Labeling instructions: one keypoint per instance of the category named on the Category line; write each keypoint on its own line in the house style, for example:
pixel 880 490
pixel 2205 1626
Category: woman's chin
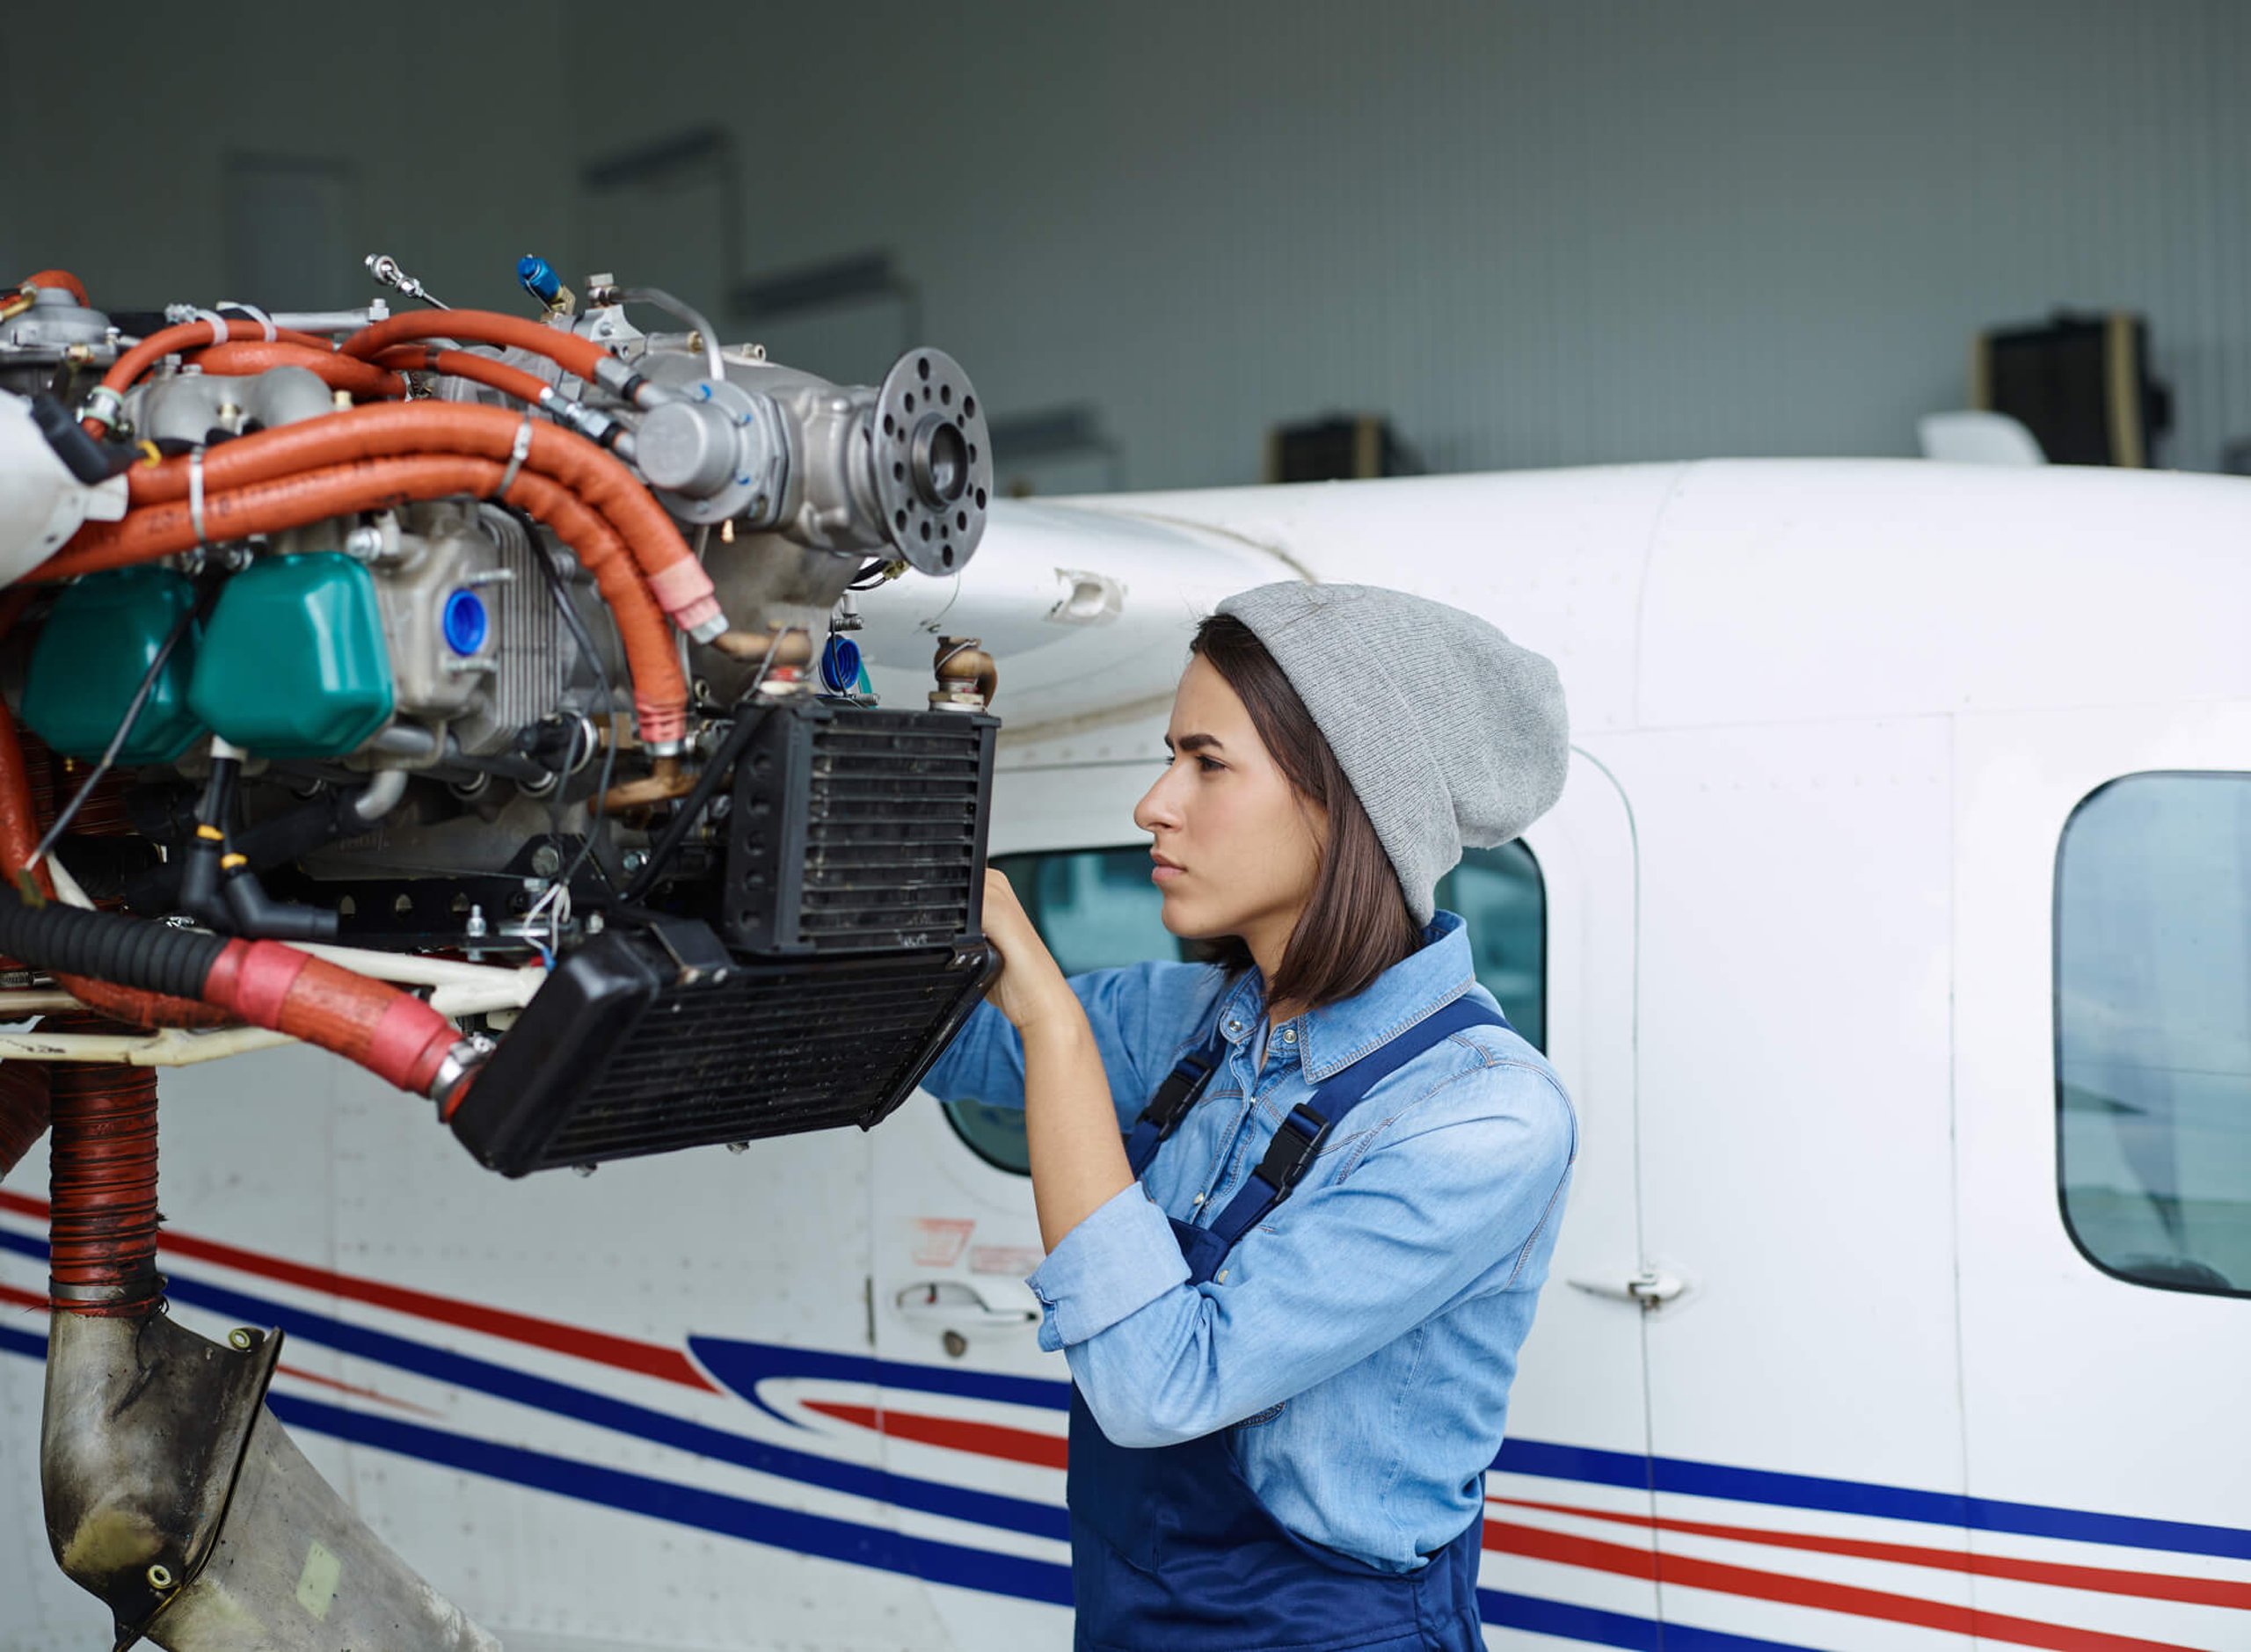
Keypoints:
pixel 1180 919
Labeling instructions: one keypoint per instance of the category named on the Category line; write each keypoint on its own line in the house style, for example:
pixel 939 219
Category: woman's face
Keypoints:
pixel 1245 843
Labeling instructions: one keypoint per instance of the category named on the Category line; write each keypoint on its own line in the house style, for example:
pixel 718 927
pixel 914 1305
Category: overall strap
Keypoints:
pixel 1170 1104
pixel 1302 1133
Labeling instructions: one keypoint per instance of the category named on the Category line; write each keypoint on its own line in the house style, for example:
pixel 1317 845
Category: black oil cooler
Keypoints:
pixel 841 953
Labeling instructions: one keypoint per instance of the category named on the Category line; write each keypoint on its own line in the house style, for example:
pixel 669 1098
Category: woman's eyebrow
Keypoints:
pixel 1194 742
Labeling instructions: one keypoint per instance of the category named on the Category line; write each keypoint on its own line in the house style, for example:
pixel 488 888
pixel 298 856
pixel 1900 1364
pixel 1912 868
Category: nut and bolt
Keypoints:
pixel 242 1339
pixel 364 544
pixel 582 1169
pixel 737 1146
pixel 633 861
pixel 160 1576
pixel 476 928
pixel 547 859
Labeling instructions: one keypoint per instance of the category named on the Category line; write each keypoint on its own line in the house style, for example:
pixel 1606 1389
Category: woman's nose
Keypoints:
pixel 1156 808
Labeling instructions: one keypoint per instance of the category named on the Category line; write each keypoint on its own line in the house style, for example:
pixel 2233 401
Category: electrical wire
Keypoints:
pixel 116 741
pixel 576 625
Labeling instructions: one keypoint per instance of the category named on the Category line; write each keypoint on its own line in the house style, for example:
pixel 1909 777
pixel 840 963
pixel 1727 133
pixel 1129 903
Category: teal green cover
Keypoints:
pixel 90 655
pixel 293 662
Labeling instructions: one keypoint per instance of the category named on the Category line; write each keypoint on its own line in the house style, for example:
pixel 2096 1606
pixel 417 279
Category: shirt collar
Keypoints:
pixel 1333 1036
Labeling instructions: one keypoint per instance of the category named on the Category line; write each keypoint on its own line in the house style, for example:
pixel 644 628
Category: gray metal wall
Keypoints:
pixel 1533 234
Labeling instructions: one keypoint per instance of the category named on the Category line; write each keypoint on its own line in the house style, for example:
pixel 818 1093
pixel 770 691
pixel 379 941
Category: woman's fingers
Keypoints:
pixel 1030 980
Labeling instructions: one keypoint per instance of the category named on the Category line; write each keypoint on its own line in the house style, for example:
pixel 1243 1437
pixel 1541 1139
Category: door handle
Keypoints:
pixel 949 1305
pixel 1650 1287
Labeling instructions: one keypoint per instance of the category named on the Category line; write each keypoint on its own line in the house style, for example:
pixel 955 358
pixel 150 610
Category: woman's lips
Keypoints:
pixel 1162 874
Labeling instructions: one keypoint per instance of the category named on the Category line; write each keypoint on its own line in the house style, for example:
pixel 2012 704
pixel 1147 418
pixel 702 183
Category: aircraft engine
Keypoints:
pixel 516 641
pixel 472 695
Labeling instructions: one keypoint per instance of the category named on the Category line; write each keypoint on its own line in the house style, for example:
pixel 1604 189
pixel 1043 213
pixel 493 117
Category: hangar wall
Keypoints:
pixel 1533 234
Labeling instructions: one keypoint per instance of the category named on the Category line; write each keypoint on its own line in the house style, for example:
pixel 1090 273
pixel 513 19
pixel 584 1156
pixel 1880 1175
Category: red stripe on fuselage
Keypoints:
pixel 1682 1572
pixel 25 1298
pixel 650 1359
pixel 2196 1591
pixel 987 1439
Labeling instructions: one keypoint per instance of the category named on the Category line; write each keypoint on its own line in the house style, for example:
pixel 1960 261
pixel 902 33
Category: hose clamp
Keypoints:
pixel 104 406
pixel 516 456
pixel 451 1080
pixel 195 496
pixel 148 1287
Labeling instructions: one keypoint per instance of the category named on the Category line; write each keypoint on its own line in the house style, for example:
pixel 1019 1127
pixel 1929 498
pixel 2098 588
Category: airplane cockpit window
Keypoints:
pixel 1096 909
pixel 2152 988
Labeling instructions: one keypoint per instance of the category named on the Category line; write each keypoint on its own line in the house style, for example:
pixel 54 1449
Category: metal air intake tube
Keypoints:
pixel 172 1493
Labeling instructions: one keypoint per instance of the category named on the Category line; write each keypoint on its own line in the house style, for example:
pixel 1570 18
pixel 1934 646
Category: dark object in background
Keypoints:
pixel 2079 384
pixel 1339 448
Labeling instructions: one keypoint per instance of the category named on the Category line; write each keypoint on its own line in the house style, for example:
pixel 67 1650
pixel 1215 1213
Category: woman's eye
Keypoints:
pixel 1210 765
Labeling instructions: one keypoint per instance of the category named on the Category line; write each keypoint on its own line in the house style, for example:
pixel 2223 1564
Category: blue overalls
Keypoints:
pixel 1170 1548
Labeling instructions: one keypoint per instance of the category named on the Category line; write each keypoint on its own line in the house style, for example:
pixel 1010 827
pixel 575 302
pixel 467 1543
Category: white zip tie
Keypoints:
pixel 273 333
pixel 195 495
pixel 218 325
pixel 516 456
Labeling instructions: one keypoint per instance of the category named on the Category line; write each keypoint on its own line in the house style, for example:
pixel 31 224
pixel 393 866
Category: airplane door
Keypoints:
pixel 2104 1081
pixel 972 1414
pixel 1797 1184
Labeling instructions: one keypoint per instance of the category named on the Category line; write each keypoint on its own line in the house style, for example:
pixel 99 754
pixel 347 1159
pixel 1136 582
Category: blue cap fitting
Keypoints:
pixel 840 664
pixel 538 280
pixel 466 623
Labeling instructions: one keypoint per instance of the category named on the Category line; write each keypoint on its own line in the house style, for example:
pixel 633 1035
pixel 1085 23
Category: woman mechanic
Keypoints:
pixel 1292 1297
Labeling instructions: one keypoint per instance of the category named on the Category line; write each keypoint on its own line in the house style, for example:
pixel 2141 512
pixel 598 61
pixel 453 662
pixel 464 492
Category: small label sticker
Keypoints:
pixel 1016 1261
pixel 316 1584
pixel 939 1239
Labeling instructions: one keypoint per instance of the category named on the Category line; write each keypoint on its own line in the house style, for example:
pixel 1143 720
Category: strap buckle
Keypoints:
pixel 1169 1105
pixel 1292 1149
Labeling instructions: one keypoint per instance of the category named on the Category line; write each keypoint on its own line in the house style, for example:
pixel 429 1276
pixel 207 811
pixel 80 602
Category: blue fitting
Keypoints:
pixel 538 278
pixel 840 664
pixel 466 623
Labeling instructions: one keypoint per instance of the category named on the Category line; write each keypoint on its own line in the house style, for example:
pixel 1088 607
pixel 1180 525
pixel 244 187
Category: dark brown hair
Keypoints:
pixel 1356 924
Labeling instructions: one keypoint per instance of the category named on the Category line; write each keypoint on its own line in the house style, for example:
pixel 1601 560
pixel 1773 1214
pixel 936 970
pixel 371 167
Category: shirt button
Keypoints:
pixel 1289 1035
pixel 1235 1026
pixel 1198 1199
pixel 1223 1276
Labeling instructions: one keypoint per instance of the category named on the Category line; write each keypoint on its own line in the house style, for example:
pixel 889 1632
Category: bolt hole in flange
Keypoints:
pixel 935 486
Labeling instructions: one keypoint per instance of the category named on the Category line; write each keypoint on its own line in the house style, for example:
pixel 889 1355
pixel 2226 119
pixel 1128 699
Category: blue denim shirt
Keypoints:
pixel 1359 1343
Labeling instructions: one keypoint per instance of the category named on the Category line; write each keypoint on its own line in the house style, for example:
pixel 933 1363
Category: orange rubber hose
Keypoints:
pixel 161 529
pixel 462 364
pixel 102 1170
pixel 62 279
pixel 676 577
pixel 581 358
pixel 340 373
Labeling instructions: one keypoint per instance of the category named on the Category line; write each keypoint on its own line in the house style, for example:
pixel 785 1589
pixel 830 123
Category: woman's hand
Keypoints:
pixel 1078 1159
pixel 1031 987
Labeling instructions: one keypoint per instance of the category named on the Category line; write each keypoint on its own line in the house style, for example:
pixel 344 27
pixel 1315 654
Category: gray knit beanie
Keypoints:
pixel 1450 733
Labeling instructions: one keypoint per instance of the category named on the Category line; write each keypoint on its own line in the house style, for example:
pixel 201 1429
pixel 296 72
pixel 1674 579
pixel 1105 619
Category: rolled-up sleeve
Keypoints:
pixel 1140 1015
pixel 1452 1195
pixel 1116 1262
